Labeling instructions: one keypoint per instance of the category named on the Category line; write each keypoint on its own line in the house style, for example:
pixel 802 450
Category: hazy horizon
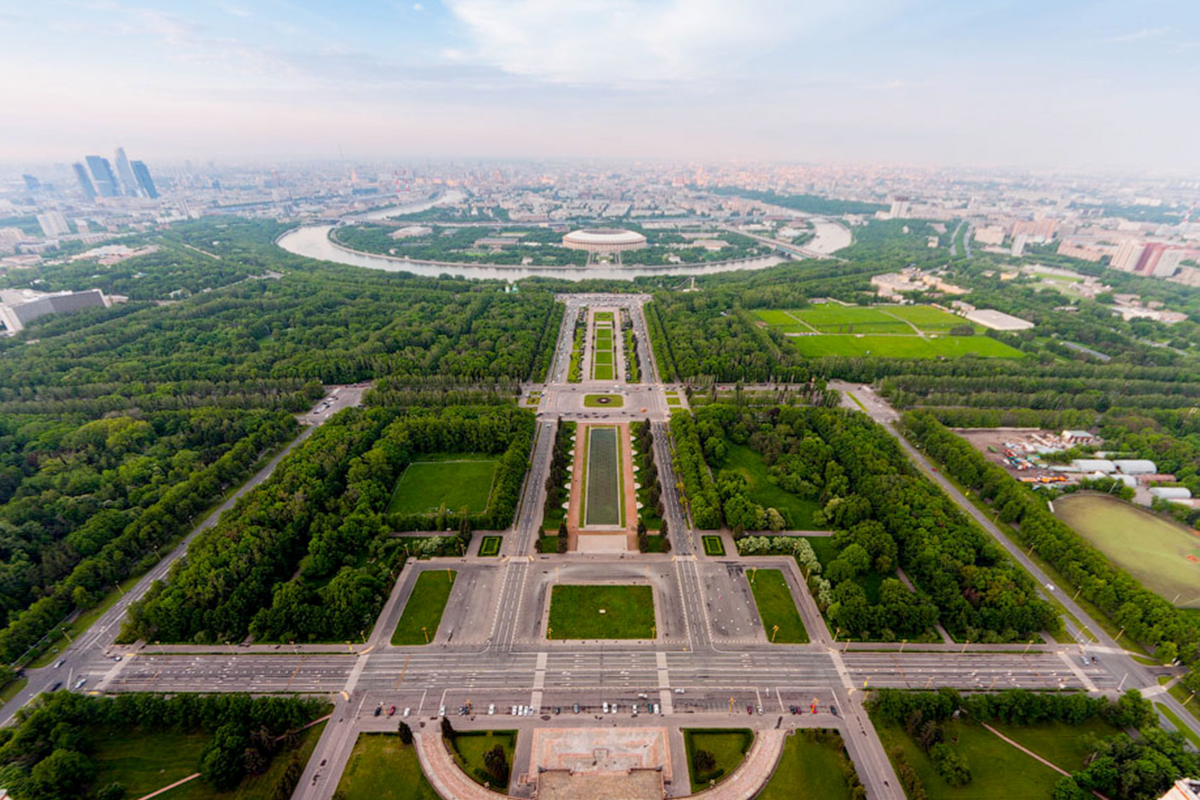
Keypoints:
pixel 1063 86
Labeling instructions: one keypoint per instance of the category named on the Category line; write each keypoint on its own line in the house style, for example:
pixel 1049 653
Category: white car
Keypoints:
pixel 491 709
pixel 442 711
pixel 514 711
pixel 605 708
pixel 79 683
pixel 407 709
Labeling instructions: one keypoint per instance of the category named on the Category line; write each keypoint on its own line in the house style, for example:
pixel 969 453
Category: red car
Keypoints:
pixel 750 710
pixel 391 711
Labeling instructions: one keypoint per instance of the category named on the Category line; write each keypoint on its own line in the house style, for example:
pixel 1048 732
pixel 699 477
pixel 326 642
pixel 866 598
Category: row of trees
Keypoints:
pixel 114 543
pixel 48 755
pixel 650 495
pixel 311 558
pixel 1120 766
pixel 1145 616
pixel 699 493
pixel 886 516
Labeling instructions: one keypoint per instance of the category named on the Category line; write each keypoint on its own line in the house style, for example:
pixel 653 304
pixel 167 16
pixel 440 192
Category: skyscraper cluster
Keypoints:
pixel 132 178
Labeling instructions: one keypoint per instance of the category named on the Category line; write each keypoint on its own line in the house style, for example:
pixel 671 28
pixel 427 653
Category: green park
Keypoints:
pixel 454 481
pixel 601 611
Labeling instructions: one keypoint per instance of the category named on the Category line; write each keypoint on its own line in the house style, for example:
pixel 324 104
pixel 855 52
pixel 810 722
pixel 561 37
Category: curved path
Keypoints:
pixel 449 781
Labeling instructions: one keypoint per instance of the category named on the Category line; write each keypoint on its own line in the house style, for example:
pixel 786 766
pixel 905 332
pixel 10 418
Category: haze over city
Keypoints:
pixel 1063 85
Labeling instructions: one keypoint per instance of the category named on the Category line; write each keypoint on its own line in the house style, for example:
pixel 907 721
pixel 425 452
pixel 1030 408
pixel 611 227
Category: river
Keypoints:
pixel 313 241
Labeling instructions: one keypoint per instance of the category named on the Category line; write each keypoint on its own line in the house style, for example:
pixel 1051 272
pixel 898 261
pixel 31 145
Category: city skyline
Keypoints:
pixel 1074 85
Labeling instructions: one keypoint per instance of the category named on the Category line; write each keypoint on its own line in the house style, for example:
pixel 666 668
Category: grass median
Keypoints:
pixel 423 611
pixel 581 611
pixel 777 607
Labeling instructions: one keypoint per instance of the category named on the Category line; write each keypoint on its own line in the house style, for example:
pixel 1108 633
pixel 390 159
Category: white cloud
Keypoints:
pixel 418 7
pixel 1133 36
pixel 627 42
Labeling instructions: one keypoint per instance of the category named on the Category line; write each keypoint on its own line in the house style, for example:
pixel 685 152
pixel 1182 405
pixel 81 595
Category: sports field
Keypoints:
pixel 454 481
pixel 602 501
pixel 1164 556
pixel 884 330
pixel 903 346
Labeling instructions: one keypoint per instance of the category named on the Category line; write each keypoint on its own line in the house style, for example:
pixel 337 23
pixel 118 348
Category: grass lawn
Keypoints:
pixel 927 318
pixel 832 318
pixel 674 401
pixel 604 316
pixel 604 357
pixel 453 482
pixel 728 746
pixel 470 747
pixel 490 546
pixel 549 543
pixel 603 401
pixel 1152 549
pixel 776 606
pixel 713 545
pixel 424 607
pixel 603 503
pixel 797 512
pixel 1058 742
pixel 575 612
pixel 11 689
pixel 772 317
pixel 381 768
pixel 903 346
pixel 146 762
pixel 997 768
pixel 807 770
pixel 602 372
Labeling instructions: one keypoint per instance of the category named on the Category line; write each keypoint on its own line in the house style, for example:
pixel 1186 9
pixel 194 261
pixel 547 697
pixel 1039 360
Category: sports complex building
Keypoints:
pixel 604 242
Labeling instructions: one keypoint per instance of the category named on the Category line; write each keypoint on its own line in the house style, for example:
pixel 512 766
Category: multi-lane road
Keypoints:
pixel 710 661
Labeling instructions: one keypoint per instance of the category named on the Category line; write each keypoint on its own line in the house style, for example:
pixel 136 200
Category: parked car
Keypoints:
pixel 378 710
pixel 750 710
pixel 391 711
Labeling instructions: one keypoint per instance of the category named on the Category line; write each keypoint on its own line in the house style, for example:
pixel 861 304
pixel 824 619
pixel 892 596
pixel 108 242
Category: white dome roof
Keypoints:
pixel 602 236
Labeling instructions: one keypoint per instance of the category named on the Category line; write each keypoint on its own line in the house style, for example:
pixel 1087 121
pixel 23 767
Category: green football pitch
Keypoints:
pixel 427 485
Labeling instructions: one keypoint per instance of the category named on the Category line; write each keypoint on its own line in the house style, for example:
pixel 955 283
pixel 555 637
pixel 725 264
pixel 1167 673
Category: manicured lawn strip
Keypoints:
pixel 603 401
pixel 424 607
pixel 807 770
pixel 1179 726
pixel 549 543
pixel 11 689
pixel 146 762
pixel 997 768
pixel 490 546
pixel 797 512
pixel 427 484
pixel 926 318
pixel 603 499
pixel 604 357
pixel 604 316
pixel 776 606
pixel 601 372
pixel 575 612
pixel 470 746
pixel 902 346
pixel 674 401
pixel 713 546
pixel 728 746
pixel 1148 547
pixel 381 768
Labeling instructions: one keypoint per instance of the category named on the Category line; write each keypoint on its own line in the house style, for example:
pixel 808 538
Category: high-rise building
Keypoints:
pixel 899 209
pixel 128 182
pixel 85 183
pixel 53 223
pixel 31 183
pixel 102 174
pixel 142 174
pixel 1128 255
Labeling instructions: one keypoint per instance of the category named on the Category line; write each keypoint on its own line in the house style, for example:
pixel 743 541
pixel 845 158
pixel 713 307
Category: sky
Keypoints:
pixel 1062 84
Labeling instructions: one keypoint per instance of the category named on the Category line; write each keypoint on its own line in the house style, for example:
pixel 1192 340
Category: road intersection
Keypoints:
pixel 710 661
